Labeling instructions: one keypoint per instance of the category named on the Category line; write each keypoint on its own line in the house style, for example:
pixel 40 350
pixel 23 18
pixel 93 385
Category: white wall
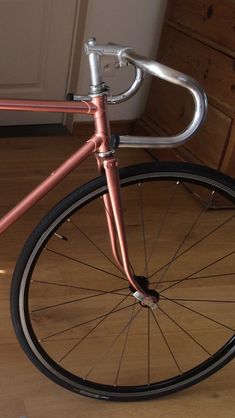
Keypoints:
pixel 133 23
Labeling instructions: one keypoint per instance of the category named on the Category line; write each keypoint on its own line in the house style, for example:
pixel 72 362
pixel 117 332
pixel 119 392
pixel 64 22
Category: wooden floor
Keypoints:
pixel 24 392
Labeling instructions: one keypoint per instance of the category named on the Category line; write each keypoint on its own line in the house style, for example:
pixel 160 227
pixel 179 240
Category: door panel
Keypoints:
pixel 35 44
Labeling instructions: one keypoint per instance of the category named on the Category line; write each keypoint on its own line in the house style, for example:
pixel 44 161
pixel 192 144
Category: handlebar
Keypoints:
pixel 122 97
pixel 143 65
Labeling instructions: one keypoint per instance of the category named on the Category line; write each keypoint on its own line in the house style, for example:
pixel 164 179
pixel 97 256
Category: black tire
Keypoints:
pixel 27 324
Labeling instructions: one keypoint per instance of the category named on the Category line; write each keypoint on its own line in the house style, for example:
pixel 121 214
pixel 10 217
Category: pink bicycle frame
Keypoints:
pixel 64 169
pixel 99 143
pixel 95 105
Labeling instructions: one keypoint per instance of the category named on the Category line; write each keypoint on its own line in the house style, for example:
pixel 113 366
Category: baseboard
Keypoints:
pixel 33 130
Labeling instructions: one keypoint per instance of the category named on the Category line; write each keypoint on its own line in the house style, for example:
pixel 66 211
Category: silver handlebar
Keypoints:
pixel 127 94
pixel 126 55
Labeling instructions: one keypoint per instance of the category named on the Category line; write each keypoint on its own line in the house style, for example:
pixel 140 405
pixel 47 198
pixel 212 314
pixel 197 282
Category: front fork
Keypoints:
pixel 116 227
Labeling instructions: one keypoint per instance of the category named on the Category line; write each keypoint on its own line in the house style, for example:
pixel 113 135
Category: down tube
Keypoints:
pixel 55 177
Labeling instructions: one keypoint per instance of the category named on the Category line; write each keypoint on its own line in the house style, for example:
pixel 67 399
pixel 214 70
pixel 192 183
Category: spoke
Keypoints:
pixel 193 245
pixel 213 275
pixel 198 217
pixel 145 273
pixel 61 236
pixel 166 342
pixel 198 271
pixel 199 313
pixel 104 356
pixel 94 244
pixel 162 223
pixel 148 347
pixel 209 276
pixel 184 331
pixel 85 264
pixel 84 323
pixel 204 300
pixel 78 287
pixel 79 299
pixel 124 345
pixel 64 285
pixel 91 330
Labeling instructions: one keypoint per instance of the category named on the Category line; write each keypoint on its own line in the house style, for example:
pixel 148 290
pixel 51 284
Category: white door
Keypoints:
pixel 35 46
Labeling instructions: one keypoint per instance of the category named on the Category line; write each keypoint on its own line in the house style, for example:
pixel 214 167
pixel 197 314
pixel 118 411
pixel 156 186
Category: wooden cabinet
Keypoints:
pixel 198 39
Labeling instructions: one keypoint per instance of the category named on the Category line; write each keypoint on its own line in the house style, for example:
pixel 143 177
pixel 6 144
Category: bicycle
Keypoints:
pixel 164 286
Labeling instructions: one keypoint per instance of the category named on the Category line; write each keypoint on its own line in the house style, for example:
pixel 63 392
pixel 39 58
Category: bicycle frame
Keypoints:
pixel 99 143
pixel 96 105
pixel 64 169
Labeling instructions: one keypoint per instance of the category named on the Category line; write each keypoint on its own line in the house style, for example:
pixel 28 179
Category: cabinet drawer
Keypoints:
pixel 213 69
pixel 213 19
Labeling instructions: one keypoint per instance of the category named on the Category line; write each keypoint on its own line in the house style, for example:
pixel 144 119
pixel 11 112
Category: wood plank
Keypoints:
pixel 174 111
pixel 214 70
pixel 214 19
pixel 202 39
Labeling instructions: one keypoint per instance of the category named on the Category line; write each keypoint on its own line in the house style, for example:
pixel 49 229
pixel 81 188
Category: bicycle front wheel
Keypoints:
pixel 73 310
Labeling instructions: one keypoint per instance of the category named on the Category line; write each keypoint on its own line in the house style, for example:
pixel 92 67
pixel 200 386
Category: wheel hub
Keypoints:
pixel 143 283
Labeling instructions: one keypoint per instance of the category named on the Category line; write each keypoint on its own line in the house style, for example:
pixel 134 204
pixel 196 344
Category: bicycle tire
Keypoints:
pixel 169 173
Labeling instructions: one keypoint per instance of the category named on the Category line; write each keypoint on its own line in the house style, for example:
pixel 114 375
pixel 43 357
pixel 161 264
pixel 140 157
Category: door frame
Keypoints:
pixel 76 54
